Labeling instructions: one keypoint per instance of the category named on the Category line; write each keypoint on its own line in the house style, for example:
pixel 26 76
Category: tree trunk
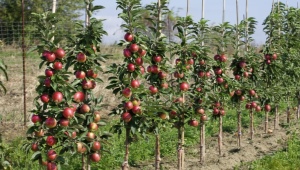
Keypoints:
pixel 83 162
pixel 88 163
pixel 157 152
pixel 266 121
pixel 288 114
pixel 251 124
pixel 276 120
pixel 202 142
pixel 220 142
pixel 239 123
pixel 298 109
pixel 180 152
pixel 125 165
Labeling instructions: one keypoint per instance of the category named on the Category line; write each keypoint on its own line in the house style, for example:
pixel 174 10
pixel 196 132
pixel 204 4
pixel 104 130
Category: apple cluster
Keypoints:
pixel 270 57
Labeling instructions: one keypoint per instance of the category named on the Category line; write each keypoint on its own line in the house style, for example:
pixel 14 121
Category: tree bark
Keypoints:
pixel 180 152
pixel 83 161
pixel 276 120
pixel 251 124
pixel 157 152
pixel 220 140
pixel 202 142
pixel 239 124
pixel 266 121
pixel 125 165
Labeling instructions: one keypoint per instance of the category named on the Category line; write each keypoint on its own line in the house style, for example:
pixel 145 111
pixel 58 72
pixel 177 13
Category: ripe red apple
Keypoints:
pixel 162 75
pixel 267 57
pixel 93 84
pixel 223 58
pixel 64 122
pixel 216 111
pixel 139 61
pixel 93 126
pixel 153 89
pixel 217 104
pixel 131 67
pixel 49 56
pixel 34 147
pixel 201 74
pixel 207 74
pixel 253 105
pixel 190 61
pixel 202 62
pixel 248 106
pixel 154 69
pixel 136 110
pixel 49 72
pixel 95 157
pixel 237 77
pixel 126 116
pixel 60 53
pixel 267 108
pixel 57 97
pixel 80 74
pixel 149 69
pixel 198 89
pixel 86 84
pixel 127 53
pixel 184 86
pixel 238 92
pixel 51 166
pixel 220 80
pixel 274 56
pixel 81 147
pixel 173 114
pixel 222 112
pixel 142 52
pixel 135 84
pixel 51 155
pixel 242 98
pixel 35 118
pixel 96 146
pixel 128 105
pixel 242 64
pixel 157 58
pixel 73 134
pixel 142 69
pixel 85 108
pixel 246 74
pixel 258 109
pixel 47 82
pixel 268 62
pixel 200 111
pixel 164 85
pixel 203 118
pixel 217 57
pixel 78 96
pixel 45 98
pixel 128 37
pixel 50 140
pixel 178 100
pixel 193 123
pixel 39 133
pixel 57 65
pixel 90 136
pixel 134 48
pixel 218 71
pixel 126 92
pixel 251 93
pixel 136 102
pixel 81 58
pixel 97 116
pixel 50 122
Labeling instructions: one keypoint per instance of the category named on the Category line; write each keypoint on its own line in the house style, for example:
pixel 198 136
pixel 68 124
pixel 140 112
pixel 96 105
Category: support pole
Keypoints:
pixel 24 63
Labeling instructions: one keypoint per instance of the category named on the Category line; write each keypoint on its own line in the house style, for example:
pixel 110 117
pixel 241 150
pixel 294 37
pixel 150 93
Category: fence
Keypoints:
pixel 11 33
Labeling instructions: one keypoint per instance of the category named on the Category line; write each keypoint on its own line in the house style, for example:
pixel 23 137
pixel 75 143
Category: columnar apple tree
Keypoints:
pixel 66 117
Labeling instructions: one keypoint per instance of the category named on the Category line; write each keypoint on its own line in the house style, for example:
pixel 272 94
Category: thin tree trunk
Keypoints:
pixel 88 163
pixel 220 140
pixel 298 109
pixel 239 124
pixel 157 152
pixel 251 124
pixel 125 165
pixel 83 162
pixel 266 121
pixel 202 142
pixel 276 120
pixel 288 114
pixel 181 145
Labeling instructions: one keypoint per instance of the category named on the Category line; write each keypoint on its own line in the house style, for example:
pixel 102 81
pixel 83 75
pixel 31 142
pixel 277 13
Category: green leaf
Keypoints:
pixel 37 155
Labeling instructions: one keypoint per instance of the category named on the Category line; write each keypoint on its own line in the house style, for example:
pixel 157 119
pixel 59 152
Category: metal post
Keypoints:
pixel 23 58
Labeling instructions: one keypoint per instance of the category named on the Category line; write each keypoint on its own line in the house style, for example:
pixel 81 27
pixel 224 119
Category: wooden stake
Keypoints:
pixel 125 165
pixel 157 152
pixel 220 141
pixel 251 124
pixel 266 121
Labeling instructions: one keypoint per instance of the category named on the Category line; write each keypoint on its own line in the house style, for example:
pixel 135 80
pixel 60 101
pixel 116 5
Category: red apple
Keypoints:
pixel 207 74
pixel 60 53
pixel 126 116
pixel 134 48
pixel 237 77
pixel 274 56
pixel 220 80
pixel 81 58
pixel 35 118
pixel 142 52
pixel 242 98
pixel 202 62
pixel 184 86
pixel 86 84
pixel 200 111
pixel 96 146
pixel 131 67
pixel 267 57
pixel 246 74
pixel 64 122
pixel 93 126
pixel 127 53
pixel 78 97
pixel 190 61
pixel 97 116
pixel 139 61
pixel 39 133
pixel 223 58
pixel 153 89
pixel 142 69
pixel 203 118
pixel 268 62
pixel 85 108
pixel 217 104
pixel 91 73
pixel 51 155
pixel 177 61
pixel 128 105
pixel 248 106
pixel 222 112
pixel 49 56
pixel 242 64
pixel 253 105
pixel 95 157
pixel 81 147
pixel 267 108
pixel 80 74
pixel 216 111
pixel 149 69
pixel 47 82
pixel 217 57
pixel 57 97
pixel 50 122
pixel 49 72
pixel 162 75
pixel 126 92
pixel 164 85
pixel 34 147
pixel 45 98
pixel 50 140
pixel 201 74
pixel 258 109
pixel 238 92
pixel 193 123
pixel 51 166
pixel 135 84
pixel 136 110
pixel 178 75
pixel 173 114
pixel 157 58
pixel 128 37
pixel 218 71
pixel 90 136
pixel 251 93
pixel 154 69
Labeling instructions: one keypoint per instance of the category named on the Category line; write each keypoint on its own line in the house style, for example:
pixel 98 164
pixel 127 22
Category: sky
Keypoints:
pixel 259 9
